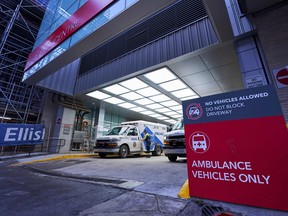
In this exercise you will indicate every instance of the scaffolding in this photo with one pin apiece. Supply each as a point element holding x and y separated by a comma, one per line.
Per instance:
<point>19,24</point>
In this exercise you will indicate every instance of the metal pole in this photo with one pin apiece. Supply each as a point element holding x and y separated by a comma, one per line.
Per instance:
<point>48,140</point>
<point>9,26</point>
<point>7,104</point>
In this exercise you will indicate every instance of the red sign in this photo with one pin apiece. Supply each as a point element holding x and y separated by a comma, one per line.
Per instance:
<point>282,76</point>
<point>237,150</point>
<point>87,11</point>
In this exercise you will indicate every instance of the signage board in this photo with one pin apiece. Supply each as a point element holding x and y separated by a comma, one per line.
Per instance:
<point>237,147</point>
<point>19,134</point>
<point>86,12</point>
<point>254,81</point>
<point>281,77</point>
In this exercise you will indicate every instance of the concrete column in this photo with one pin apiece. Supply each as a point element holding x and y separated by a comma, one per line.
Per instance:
<point>100,123</point>
<point>63,130</point>
<point>251,63</point>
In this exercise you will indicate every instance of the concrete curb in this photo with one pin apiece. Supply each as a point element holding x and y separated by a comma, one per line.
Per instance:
<point>53,158</point>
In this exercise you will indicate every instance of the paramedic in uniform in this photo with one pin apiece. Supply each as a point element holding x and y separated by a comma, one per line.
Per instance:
<point>147,140</point>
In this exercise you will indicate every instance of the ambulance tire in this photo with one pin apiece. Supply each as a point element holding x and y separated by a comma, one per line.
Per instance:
<point>172,158</point>
<point>123,152</point>
<point>157,150</point>
<point>102,155</point>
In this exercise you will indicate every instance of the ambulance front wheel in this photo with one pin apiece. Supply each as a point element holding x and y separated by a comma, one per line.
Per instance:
<point>172,158</point>
<point>157,150</point>
<point>123,152</point>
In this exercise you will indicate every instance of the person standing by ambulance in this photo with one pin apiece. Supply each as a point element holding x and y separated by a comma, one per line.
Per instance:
<point>147,140</point>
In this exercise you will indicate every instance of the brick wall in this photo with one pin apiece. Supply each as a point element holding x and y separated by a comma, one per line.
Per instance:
<point>272,28</point>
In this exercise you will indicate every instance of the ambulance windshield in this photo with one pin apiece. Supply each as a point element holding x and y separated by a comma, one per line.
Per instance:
<point>178,125</point>
<point>120,130</point>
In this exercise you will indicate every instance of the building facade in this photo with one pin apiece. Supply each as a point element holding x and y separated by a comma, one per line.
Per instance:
<point>104,62</point>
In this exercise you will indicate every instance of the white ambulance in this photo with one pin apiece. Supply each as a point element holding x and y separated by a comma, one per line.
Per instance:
<point>126,139</point>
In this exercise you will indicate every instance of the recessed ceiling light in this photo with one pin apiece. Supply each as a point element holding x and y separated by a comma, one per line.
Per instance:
<point>133,84</point>
<point>173,85</point>
<point>183,93</point>
<point>163,118</point>
<point>176,108</point>
<point>114,100</point>
<point>171,121</point>
<point>144,101</point>
<point>189,98</point>
<point>156,115</point>
<point>98,95</point>
<point>163,110</point>
<point>154,106</point>
<point>160,75</point>
<point>127,105</point>
<point>116,89</point>
<point>170,103</point>
<point>148,112</point>
<point>138,109</point>
<point>147,92</point>
<point>171,113</point>
<point>160,98</point>
<point>131,96</point>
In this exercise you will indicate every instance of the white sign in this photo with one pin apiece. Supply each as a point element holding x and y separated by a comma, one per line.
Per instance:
<point>254,81</point>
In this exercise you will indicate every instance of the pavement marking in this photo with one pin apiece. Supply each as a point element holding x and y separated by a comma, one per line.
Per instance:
<point>62,157</point>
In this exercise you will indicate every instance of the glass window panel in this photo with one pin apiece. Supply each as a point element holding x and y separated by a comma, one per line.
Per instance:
<point>173,85</point>
<point>133,84</point>
<point>69,7</point>
<point>130,2</point>
<point>160,75</point>
<point>116,8</point>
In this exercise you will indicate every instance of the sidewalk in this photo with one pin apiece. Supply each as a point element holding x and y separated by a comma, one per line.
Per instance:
<point>134,202</point>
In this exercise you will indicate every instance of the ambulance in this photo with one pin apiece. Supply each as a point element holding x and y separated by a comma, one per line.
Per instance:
<point>126,139</point>
<point>174,142</point>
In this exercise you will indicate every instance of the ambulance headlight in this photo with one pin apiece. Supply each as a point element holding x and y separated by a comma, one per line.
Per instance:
<point>115,140</point>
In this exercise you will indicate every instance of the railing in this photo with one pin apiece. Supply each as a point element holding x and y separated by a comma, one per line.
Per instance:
<point>51,145</point>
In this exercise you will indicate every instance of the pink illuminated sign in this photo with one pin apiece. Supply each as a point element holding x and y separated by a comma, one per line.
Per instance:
<point>71,25</point>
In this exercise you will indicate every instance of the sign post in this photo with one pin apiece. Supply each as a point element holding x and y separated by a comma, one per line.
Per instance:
<point>237,147</point>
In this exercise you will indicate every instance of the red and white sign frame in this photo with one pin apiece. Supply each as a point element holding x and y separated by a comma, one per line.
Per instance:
<point>281,77</point>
